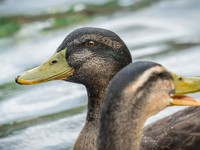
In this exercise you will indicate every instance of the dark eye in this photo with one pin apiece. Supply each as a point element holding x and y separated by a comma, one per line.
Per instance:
<point>90,43</point>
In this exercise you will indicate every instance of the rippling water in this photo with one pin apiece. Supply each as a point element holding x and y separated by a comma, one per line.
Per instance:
<point>49,116</point>
<point>11,8</point>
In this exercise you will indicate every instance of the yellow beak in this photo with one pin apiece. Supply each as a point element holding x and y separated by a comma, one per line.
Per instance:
<point>184,85</point>
<point>56,68</point>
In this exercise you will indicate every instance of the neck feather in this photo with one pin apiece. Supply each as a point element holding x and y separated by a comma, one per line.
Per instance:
<point>95,100</point>
<point>125,130</point>
<point>87,137</point>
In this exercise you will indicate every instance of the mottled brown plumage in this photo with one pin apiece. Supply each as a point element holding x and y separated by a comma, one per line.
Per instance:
<point>179,131</point>
<point>145,89</point>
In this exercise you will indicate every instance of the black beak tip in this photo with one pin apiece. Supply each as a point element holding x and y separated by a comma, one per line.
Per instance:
<point>16,79</point>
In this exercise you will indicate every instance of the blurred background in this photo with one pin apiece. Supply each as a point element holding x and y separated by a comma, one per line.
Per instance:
<point>49,116</point>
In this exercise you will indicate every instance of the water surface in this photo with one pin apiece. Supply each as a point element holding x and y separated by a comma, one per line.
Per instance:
<point>49,116</point>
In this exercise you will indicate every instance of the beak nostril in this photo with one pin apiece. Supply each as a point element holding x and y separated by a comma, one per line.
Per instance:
<point>54,62</point>
<point>180,78</point>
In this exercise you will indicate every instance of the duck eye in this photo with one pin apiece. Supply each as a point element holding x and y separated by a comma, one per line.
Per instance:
<point>90,43</point>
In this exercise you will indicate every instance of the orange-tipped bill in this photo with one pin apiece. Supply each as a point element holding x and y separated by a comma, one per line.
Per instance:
<point>184,101</point>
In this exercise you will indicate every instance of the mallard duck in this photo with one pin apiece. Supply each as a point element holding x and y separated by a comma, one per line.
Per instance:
<point>90,56</point>
<point>145,89</point>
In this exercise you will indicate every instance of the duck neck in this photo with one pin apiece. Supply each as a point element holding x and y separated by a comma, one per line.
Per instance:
<point>134,135</point>
<point>123,125</point>
<point>129,134</point>
<point>87,137</point>
<point>95,100</point>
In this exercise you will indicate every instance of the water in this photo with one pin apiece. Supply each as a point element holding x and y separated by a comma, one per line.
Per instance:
<point>50,119</point>
<point>11,8</point>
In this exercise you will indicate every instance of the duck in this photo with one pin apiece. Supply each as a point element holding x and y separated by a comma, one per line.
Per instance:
<point>146,88</point>
<point>88,56</point>
<point>92,57</point>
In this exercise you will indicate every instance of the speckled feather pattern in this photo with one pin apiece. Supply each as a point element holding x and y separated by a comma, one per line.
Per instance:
<point>127,108</point>
<point>180,131</point>
<point>98,38</point>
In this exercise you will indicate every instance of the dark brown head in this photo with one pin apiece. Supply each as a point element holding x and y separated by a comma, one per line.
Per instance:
<point>87,55</point>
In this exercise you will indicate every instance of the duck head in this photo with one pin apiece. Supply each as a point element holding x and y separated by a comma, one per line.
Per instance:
<point>86,55</point>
